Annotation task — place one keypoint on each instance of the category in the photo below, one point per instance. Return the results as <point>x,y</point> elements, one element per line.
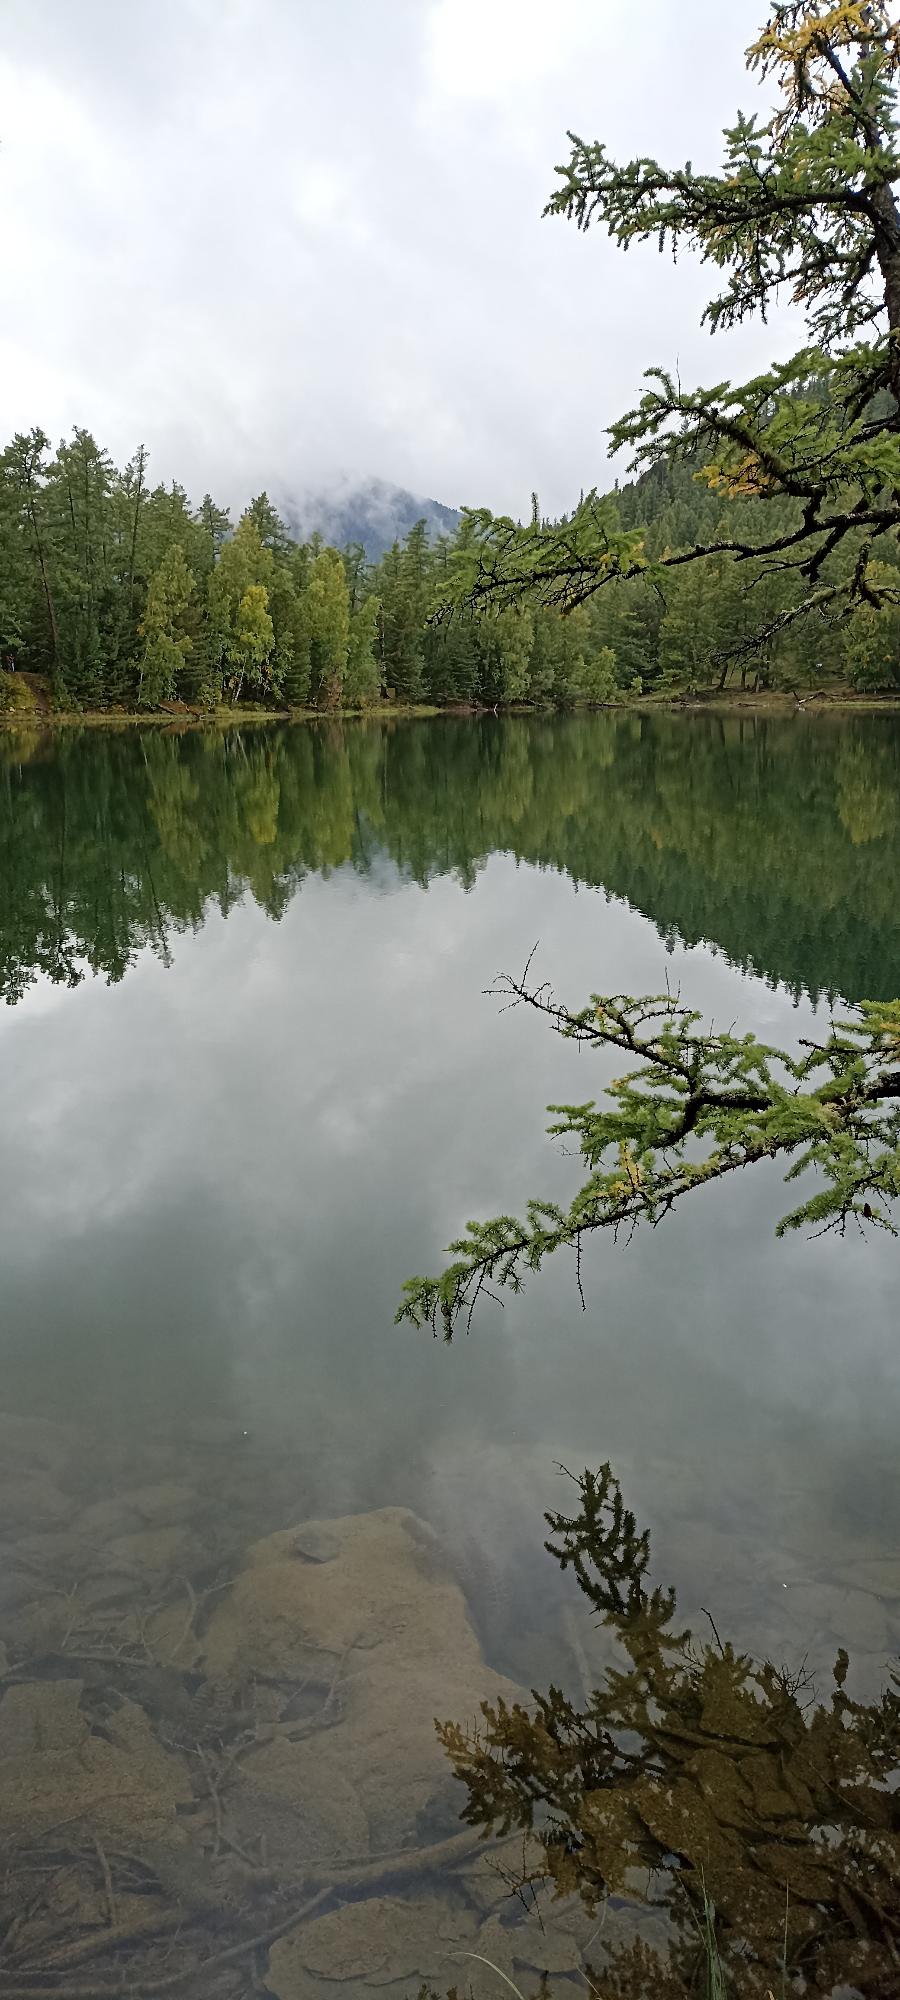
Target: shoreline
<point>35,717</point>
<point>765,702</point>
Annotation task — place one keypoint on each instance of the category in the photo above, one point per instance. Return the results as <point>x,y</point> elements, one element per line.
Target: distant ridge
<point>374,513</point>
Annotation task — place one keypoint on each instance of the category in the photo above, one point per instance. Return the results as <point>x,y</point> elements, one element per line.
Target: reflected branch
<point>764,1821</point>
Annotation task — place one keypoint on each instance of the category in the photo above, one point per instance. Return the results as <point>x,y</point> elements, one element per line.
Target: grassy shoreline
<point>38,713</point>
<point>181,716</point>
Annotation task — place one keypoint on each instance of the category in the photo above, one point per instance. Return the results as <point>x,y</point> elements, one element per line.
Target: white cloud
<point>495,49</point>
<point>285,244</point>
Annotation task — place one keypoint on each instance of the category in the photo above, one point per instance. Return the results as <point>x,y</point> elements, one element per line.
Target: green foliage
<point>871,640</point>
<point>81,545</point>
<point>252,640</point>
<point>698,1107</point>
<point>167,641</point>
<point>268,524</point>
<point>758,1817</point>
<point>328,602</point>
<point>805,201</point>
<point>15,574</point>
<point>361,678</point>
<point>215,526</point>
<point>84,556</point>
<point>243,633</point>
<point>404,597</point>
<point>596,676</point>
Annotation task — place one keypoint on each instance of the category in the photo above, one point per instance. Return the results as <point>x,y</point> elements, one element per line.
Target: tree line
<point>123,594</point>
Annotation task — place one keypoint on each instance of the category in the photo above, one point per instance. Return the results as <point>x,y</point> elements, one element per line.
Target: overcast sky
<point>290,242</point>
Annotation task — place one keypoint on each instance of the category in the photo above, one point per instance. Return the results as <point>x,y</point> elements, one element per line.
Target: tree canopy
<point>123,595</point>
<point>803,205</point>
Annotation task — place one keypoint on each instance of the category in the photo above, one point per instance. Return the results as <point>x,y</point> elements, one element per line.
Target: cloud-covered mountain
<point>374,513</point>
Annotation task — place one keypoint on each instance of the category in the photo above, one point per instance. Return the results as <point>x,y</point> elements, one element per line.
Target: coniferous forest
<point>120,594</point>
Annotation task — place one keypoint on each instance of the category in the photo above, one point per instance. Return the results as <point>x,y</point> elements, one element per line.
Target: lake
<point>254,1535</point>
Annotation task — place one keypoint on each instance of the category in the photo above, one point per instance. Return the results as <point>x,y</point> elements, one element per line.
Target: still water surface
<point>250,1081</point>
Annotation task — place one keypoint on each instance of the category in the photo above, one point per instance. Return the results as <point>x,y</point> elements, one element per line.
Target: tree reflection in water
<point>775,840</point>
<point>764,1818</point>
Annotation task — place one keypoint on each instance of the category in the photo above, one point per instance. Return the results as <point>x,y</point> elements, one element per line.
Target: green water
<point>251,1081</point>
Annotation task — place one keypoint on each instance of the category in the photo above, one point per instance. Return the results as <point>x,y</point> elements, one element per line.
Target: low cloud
<point>291,245</point>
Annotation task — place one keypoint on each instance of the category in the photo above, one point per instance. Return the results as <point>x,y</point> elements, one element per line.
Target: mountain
<point>374,513</point>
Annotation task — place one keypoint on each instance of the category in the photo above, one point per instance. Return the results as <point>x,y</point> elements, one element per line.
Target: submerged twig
<point>147,1989</point>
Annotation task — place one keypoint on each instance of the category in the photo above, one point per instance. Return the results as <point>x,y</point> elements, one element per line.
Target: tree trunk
<point>141,463</point>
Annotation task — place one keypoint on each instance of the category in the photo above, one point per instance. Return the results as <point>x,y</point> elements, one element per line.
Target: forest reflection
<point>777,840</point>
<point>748,1825</point>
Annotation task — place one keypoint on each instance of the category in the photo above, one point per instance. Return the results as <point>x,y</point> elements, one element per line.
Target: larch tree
<point>697,1106</point>
<point>805,204</point>
<point>167,641</point>
<point>252,640</point>
<point>804,207</point>
<point>328,610</point>
<point>241,636</point>
<point>361,680</point>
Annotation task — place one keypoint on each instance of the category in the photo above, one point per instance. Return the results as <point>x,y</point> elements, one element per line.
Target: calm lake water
<point>251,1081</point>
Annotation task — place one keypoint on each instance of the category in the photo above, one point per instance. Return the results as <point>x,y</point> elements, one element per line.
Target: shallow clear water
<point>251,1081</point>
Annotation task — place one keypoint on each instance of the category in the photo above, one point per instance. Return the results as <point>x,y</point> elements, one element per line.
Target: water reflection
<point>759,1819</point>
<point>219,1159</point>
<point>778,840</point>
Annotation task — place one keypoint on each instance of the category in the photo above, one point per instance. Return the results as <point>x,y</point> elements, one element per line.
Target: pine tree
<point>403,582</point>
<point>268,524</point>
<point>215,525</point>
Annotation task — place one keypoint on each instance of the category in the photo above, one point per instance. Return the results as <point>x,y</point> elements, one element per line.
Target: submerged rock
<point>165,1504</point>
<point>378,1942</point>
<point>31,1499</point>
<point>157,1550</point>
<point>105,1519</point>
<point>363,1611</point>
<point>40,1715</point>
<point>392,1944</point>
<point>54,1769</point>
<point>325,1814</point>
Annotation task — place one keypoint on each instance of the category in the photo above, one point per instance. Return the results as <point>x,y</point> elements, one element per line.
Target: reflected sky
<point>215,1175</point>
